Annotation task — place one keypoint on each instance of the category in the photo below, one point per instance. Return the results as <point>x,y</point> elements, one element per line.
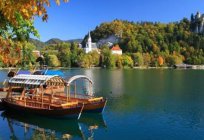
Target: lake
<point>155,104</point>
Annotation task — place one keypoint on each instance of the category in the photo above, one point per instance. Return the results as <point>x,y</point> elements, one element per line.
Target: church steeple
<point>89,38</point>
<point>89,45</point>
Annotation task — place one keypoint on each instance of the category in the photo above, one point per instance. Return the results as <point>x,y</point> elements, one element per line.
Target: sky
<point>73,20</point>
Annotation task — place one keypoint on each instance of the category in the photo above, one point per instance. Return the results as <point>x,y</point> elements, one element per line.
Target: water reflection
<point>37,127</point>
<point>145,104</point>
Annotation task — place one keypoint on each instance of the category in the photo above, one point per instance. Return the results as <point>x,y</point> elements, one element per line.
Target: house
<point>116,50</point>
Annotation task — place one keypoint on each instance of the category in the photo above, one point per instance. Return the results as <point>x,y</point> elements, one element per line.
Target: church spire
<point>89,38</point>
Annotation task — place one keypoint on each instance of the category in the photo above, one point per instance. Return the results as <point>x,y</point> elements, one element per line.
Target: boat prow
<point>1,105</point>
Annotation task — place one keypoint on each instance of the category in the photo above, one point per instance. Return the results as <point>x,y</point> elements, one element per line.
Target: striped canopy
<point>33,81</point>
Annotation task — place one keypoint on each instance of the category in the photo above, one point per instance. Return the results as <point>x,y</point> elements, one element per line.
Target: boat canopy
<point>34,81</point>
<point>49,72</point>
<point>78,77</point>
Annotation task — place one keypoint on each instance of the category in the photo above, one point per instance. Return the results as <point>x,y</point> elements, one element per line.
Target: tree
<point>137,59</point>
<point>52,60</point>
<point>27,9</point>
<point>173,59</point>
<point>64,54</point>
<point>127,61</point>
<point>16,20</point>
<point>119,61</point>
<point>95,57</point>
<point>75,51</point>
<point>147,59</point>
<point>107,58</point>
<point>85,61</point>
<point>160,61</point>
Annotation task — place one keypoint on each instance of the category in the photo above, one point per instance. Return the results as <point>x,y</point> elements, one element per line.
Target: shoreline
<point>198,67</point>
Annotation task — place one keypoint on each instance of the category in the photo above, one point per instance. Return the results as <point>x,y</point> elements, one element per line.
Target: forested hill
<point>39,44</point>
<point>173,41</point>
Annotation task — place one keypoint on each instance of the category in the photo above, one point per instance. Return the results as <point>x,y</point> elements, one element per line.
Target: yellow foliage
<point>27,8</point>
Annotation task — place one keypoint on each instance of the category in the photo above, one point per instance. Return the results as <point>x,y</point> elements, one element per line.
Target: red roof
<point>116,48</point>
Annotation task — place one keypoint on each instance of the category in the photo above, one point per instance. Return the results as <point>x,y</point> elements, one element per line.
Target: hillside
<point>175,42</point>
<point>39,44</point>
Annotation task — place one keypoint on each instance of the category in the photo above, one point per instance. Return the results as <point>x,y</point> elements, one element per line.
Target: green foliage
<point>107,59</point>
<point>68,54</point>
<point>173,59</point>
<point>119,61</point>
<point>64,54</point>
<point>52,60</point>
<point>95,58</point>
<point>127,61</point>
<point>85,61</point>
<point>147,59</point>
<point>28,56</point>
<point>153,39</point>
<point>137,59</point>
<point>75,53</point>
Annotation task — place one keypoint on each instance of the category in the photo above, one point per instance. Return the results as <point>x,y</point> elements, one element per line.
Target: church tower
<point>88,44</point>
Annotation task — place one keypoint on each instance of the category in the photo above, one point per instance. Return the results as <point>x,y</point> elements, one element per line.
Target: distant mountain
<point>39,44</point>
<point>74,40</point>
<point>56,41</point>
<point>53,41</point>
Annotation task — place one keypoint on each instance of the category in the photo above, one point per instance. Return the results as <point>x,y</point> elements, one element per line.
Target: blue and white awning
<point>33,81</point>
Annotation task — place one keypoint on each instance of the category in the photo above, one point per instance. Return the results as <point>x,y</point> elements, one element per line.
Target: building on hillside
<point>89,47</point>
<point>109,41</point>
<point>198,22</point>
<point>116,50</point>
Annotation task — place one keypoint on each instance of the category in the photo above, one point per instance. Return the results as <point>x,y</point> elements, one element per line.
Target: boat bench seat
<point>95,99</point>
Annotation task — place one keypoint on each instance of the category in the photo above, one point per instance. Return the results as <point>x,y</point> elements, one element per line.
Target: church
<point>89,47</point>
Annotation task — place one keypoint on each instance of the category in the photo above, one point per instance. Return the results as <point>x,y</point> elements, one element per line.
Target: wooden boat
<point>37,102</point>
<point>91,103</point>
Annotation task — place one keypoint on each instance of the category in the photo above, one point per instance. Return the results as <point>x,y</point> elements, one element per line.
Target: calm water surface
<point>142,104</point>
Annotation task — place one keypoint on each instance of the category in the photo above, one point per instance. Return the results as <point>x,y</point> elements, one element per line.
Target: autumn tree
<point>160,61</point>
<point>16,21</point>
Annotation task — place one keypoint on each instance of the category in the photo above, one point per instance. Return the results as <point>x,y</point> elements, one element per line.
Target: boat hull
<point>89,107</point>
<point>1,105</point>
<point>67,113</point>
<point>95,107</point>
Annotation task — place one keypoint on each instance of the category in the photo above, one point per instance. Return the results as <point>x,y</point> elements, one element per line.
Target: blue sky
<point>74,19</point>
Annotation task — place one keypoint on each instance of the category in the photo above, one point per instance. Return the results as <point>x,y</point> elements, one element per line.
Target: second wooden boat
<point>92,104</point>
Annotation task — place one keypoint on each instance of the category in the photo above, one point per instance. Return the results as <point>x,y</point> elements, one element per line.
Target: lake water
<point>142,104</point>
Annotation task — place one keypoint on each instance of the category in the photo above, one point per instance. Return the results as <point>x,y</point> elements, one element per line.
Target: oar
<point>81,111</point>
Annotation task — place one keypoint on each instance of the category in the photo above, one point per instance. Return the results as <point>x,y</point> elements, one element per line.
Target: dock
<point>188,66</point>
